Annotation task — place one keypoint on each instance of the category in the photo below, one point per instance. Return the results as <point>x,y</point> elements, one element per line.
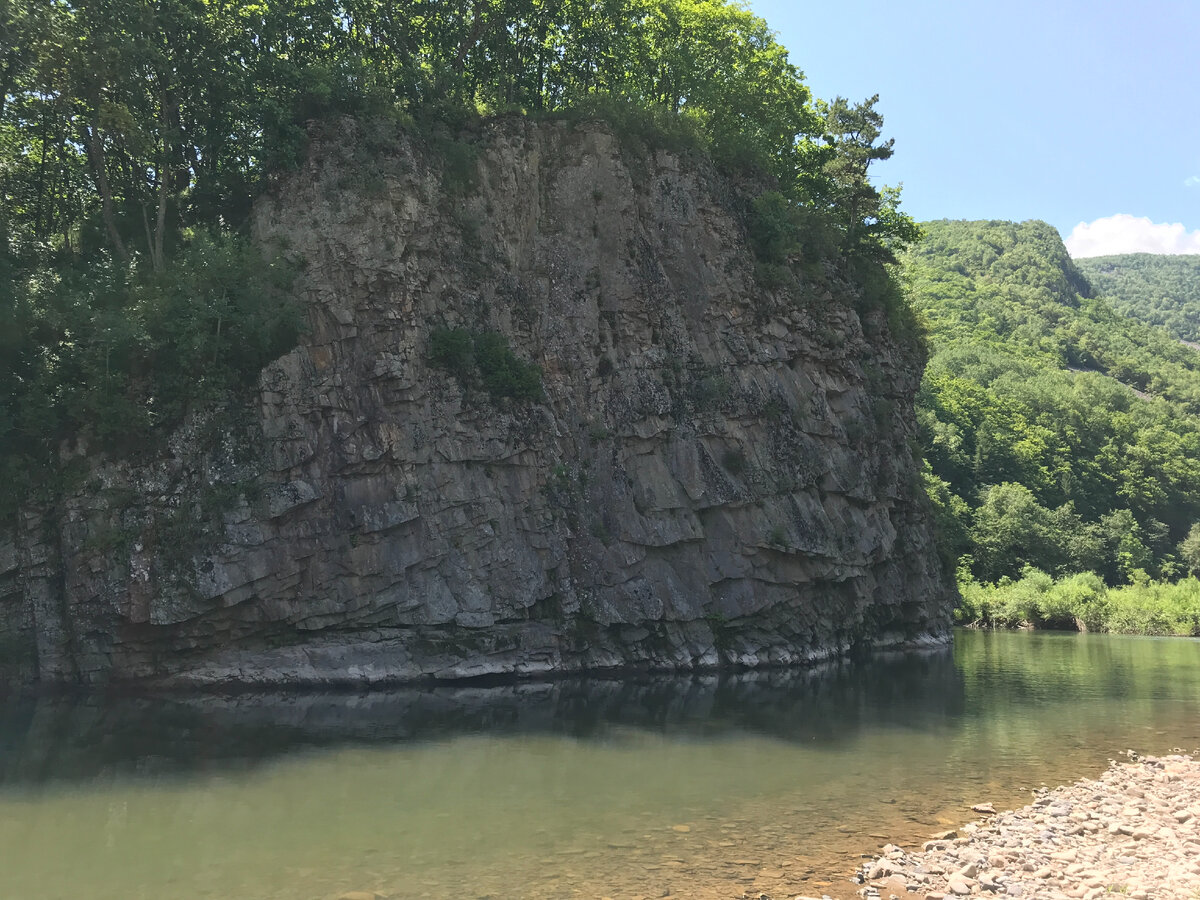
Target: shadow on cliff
<point>67,738</point>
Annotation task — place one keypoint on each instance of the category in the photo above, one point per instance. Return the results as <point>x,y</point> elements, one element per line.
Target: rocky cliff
<point>711,472</point>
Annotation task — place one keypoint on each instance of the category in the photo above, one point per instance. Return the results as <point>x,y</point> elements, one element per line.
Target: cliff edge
<point>707,472</point>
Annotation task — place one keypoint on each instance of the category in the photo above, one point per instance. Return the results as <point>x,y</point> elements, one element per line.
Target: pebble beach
<point>1134,831</point>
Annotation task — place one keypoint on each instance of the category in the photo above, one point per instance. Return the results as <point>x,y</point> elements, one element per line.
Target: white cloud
<point>1124,233</point>
<point>1192,181</point>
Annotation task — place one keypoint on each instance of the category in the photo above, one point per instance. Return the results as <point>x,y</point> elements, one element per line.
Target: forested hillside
<point>1161,290</point>
<point>135,137</point>
<point>1060,434</point>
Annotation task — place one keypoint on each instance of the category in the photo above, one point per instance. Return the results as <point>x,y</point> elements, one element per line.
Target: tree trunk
<point>94,146</point>
<point>164,184</point>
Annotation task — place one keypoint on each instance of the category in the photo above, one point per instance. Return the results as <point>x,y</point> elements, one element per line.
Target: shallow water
<point>703,787</point>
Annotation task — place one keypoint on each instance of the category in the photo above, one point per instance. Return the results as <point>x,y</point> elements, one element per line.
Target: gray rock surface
<point>1134,831</point>
<point>718,474</point>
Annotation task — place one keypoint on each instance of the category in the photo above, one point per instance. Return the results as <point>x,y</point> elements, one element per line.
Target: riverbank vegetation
<point>1061,437</point>
<point>135,137</point>
<point>1083,601</point>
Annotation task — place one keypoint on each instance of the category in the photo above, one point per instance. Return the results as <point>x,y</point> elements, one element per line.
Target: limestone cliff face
<point>718,474</point>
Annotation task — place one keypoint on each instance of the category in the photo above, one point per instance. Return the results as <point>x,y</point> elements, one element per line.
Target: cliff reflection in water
<point>51,738</point>
<point>701,787</point>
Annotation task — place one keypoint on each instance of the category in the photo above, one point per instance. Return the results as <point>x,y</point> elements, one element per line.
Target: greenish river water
<point>703,787</point>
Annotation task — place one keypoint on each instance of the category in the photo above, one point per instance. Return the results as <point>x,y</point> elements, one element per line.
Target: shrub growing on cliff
<point>486,357</point>
<point>452,349</point>
<point>117,355</point>
<point>504,374</point>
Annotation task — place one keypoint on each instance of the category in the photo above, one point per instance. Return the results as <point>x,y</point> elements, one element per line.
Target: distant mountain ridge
<point>1156,289</point>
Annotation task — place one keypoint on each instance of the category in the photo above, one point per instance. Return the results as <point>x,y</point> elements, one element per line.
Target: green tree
<point>1189,550</point>
<point>870,217</point>
<point>1156,289</point>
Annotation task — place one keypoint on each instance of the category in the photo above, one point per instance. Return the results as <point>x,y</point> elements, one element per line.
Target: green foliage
<point>1158,290</point>
<point>1012,530</point>
<point>460,162</point>
<point>503,373</point>
<point>453,349</point>
<point>951,519</point>
<point>775,228</point>
<point>869,218</point>
<point>135,136</point>
<point>784,233</point>
<point>485,357</point>
<point>640,127</point>
<point>1068,431</point>
<point>1189,550</point>
<point>125,123</point>
<point>1083,600</point>
<point>116,357</point>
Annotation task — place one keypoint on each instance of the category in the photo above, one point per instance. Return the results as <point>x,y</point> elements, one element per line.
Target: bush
<point>452,349</point>
<point>214,318</point>
<point>504,374</point>
<point>640,127</point>
<point>486,357</point>
<point>782,231</point>
<point>774,228</point>
<point>118,356</point>
<point>1153,608</point>
<point>1076,599</point>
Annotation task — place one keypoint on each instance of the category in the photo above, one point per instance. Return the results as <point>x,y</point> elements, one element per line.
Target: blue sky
<point>1063,110</point>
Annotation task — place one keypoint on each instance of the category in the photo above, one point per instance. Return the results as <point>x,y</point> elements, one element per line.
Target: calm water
<point>702,787</point>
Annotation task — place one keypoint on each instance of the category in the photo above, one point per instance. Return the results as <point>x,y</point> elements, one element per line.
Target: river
<point>701,787</point>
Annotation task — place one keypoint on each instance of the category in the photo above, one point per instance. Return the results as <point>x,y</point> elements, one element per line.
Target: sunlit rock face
<point>716,473</point>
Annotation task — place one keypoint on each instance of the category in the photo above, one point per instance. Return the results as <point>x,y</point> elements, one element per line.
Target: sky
<point>1083,114</point>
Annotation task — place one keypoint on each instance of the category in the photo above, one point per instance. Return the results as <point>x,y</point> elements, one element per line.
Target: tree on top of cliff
<point>867,216</point>
<point>124,123</point>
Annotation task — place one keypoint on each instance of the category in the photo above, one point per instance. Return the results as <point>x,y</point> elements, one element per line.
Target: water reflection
<point>79,737</point>
<point>704,787</point>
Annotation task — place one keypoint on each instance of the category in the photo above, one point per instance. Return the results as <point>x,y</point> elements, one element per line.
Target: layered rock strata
<point>716,473</point>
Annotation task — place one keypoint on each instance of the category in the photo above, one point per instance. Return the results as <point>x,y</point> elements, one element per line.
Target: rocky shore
<point>1134,831</point>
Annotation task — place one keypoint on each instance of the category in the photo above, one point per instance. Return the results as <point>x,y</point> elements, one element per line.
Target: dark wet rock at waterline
<point>715,473</point>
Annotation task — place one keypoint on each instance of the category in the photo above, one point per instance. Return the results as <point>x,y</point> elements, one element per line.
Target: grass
<point>1083,601</point>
